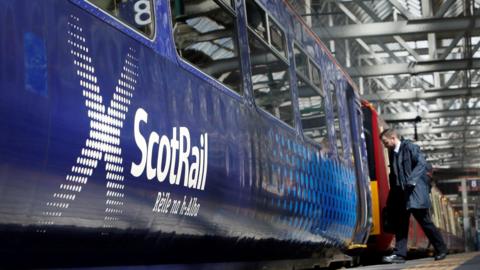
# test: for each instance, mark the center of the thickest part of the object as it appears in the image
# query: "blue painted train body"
(111, 144)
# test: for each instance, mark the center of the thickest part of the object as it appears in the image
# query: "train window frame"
(230, 4)
(336, 114)
(311, 64)
(265, 42)
(296, 46)
(321, 115)
(307, 79)
(263, 17)
(252, 37)
(284, 36)
(268, 17)
(93, 7)
(186, 64)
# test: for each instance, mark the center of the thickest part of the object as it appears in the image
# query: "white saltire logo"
(103, 142)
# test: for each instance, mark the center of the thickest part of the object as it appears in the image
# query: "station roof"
(418, 62)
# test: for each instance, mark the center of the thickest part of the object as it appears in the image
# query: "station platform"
(460, 261)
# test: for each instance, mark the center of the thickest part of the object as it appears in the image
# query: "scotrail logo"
(168, 151)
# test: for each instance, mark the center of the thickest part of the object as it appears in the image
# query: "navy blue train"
(181, 131)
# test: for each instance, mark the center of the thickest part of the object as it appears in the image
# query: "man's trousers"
(424, 219)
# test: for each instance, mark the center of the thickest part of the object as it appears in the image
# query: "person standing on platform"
(409, 194)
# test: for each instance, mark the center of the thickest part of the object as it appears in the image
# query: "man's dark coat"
(409, 183)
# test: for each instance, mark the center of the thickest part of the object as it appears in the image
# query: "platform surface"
(461, 261)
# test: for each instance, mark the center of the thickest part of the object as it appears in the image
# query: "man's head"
(389, 138)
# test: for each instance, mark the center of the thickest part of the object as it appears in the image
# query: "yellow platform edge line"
(356, 246)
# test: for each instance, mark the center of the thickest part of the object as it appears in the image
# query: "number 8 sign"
(143, 13)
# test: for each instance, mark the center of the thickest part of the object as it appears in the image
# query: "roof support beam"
(443, 9)
(437, 130)
(414, 68)
(399, 39)
(455, 75)
(402, 9)
(439, 152)
(408, 116)
(454, 142)
(431, 25)
(372, 14)
(425, 95)
(449, 181)
(452, 45)
(463, 159)
(458, 157)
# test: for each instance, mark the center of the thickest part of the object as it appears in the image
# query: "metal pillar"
(432, 40)
(477, 229)
(466, 219)
(330, 24)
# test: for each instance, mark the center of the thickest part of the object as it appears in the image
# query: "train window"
(277, 38)
(312, 111)
(310, 96)
(136, 13)
(315, 76)
(257, 22)
(336, 118)
(257, 19)
(270, 79)
(205, 36)
(301, 62)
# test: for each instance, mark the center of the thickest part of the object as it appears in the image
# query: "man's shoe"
(393, 259)
(440, 256)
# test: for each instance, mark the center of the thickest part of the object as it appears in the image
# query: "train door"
(371, 134)
(358, 151)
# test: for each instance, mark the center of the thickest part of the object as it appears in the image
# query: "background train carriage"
(447, 220)
(103, 100)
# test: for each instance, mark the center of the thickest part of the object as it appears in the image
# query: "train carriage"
(153, 131)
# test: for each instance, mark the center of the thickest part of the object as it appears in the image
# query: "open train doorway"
(354, 113)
